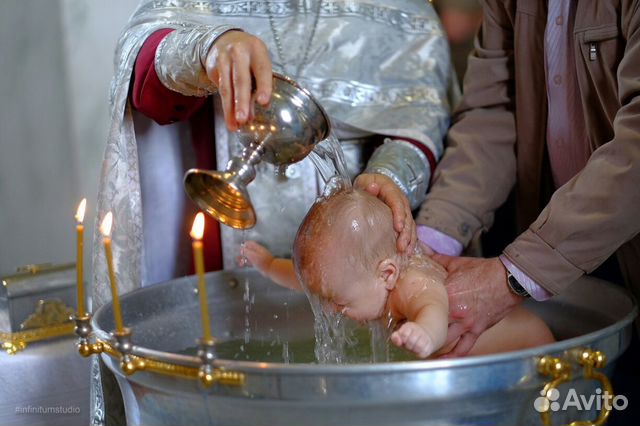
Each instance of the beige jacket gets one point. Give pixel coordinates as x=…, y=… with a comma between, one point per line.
x=499, y=134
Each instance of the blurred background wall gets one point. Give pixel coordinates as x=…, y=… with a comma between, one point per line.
x=56, y=63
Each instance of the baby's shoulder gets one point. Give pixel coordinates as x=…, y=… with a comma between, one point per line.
x=413, y=276
x=412, y=272
x=423, y=264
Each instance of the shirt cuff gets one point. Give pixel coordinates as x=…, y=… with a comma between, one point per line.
x=439, y=242
x=536, y=291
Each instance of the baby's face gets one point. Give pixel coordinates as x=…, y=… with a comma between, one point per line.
x=357, y=295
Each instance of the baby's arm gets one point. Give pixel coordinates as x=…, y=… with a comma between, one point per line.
x=277, y=269
x=422, y=298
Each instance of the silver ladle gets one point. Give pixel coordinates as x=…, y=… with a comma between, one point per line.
x=281, y=133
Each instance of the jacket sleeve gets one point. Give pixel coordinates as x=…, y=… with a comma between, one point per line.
x=478, y=169
x=597, y=211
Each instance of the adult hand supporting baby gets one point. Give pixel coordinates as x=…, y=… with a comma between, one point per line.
x=479, y=297
x=386, y=190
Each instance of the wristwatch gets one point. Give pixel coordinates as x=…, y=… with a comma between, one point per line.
x=515, y=287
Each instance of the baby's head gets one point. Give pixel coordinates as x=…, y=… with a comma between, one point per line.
x=345, y=251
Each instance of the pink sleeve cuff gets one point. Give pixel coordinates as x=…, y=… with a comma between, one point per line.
x=439, y=242
x=536, y=291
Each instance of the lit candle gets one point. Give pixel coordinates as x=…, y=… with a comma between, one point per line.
x=197, y=230
x=105, y=229
x=79, y=255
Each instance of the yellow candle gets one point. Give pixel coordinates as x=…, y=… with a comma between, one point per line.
x=197, y=230
x=105, y=229
x=79, y=256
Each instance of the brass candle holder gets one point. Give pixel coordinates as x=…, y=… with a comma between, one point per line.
x=131, y=358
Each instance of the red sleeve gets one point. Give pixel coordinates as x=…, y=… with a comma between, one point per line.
x=150, y=96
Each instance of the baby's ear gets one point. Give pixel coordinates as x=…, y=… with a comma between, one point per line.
x=388, y=272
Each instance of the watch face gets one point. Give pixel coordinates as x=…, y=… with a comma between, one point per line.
x=515, y=286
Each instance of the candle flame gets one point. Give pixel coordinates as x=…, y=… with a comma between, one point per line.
x=197, y=230
x=105, y=226
x=81, y=209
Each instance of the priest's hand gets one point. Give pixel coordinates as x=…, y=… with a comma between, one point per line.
x=231, y=63
x=479, y=297
x=382, y=187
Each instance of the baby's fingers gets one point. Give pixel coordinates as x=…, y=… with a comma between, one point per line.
x=413, y=339
x=242, y=260
x=420, y=344
x=251, y=247
x=396, y=339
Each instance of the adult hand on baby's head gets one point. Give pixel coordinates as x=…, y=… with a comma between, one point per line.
x=414, y=338
x=479, y=297
x=383, y=187
x=257, y=256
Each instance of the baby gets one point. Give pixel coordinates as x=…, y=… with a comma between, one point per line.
x=345, y=252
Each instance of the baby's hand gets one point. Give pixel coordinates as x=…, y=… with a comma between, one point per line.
x=256, y=255
x=413, y=338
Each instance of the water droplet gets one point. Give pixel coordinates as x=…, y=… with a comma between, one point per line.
x=281, y=170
